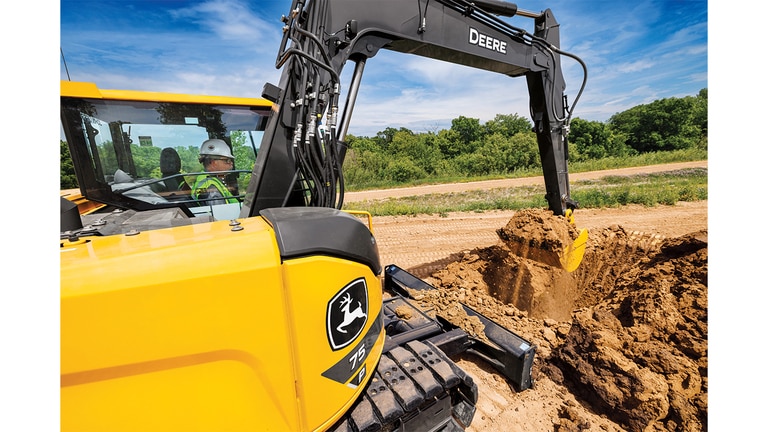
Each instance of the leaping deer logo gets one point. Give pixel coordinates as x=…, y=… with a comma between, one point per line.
x=346, y=314
x=349, y=316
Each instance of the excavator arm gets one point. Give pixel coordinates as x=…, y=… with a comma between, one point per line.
x=299, y=161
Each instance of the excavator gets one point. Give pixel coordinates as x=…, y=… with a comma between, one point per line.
x=272, y=311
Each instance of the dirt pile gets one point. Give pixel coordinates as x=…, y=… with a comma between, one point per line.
x=626, y=333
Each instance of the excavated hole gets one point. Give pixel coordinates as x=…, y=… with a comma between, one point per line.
x=523, y=270
x=626, y=331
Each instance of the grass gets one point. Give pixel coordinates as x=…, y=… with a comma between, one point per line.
x=665, y=188
x=649, y=190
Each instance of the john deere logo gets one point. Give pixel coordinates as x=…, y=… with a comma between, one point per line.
x=347, y=314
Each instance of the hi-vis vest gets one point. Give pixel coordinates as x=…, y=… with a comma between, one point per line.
x=204, y=181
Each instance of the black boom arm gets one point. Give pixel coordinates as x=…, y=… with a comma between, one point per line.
x=299, y=162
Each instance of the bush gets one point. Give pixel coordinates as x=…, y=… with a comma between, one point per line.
x=403, y=170
x=68, y=179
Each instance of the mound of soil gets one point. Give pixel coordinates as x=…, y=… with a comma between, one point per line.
x=626, y=333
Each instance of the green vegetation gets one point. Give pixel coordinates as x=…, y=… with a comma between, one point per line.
x=68, y=178
x=667, y=130
x=648, y=190
x=613, y=191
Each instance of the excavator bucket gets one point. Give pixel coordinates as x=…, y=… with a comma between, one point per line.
x=538, y=235
x=574, y=253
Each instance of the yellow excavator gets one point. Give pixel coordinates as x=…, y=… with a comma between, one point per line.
x=271, y=310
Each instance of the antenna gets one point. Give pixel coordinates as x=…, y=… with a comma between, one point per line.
x=65, y=63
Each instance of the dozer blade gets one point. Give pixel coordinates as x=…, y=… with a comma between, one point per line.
x=506, y=351
x=574, y=253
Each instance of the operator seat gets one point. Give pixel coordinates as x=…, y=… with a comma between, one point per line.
x=170, y=164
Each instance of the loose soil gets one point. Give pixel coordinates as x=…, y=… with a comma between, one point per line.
x=620, y=343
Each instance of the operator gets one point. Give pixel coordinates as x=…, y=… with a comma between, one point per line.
x=216, y=157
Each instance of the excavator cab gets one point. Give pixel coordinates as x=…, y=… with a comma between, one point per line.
x=139, y=150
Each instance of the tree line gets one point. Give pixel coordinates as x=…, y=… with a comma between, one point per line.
x=504, y=144
x=507, y=143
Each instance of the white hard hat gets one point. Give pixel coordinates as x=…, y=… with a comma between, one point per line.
x=215, y=147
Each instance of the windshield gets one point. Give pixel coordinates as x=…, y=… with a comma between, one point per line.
x=145, y=155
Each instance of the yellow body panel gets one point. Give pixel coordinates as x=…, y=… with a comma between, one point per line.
x=201, y=328
x=319, y=395
x=90, y=90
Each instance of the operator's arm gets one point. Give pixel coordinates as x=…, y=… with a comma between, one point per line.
x=212, y=193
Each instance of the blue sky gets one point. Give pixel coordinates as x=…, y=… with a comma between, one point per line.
x=636, y=52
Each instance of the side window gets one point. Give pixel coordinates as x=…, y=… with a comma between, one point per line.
x=130, y=153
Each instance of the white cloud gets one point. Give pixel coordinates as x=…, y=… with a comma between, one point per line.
x=636, y=66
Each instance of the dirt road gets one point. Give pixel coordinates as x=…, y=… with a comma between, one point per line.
x=451, y=252
x=504, y=183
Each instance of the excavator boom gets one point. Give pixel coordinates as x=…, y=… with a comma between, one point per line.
x=322, y=36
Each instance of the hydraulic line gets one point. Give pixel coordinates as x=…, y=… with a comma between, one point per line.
x=583, y=81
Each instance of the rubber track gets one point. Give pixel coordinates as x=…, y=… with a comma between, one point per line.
x=416, y=387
